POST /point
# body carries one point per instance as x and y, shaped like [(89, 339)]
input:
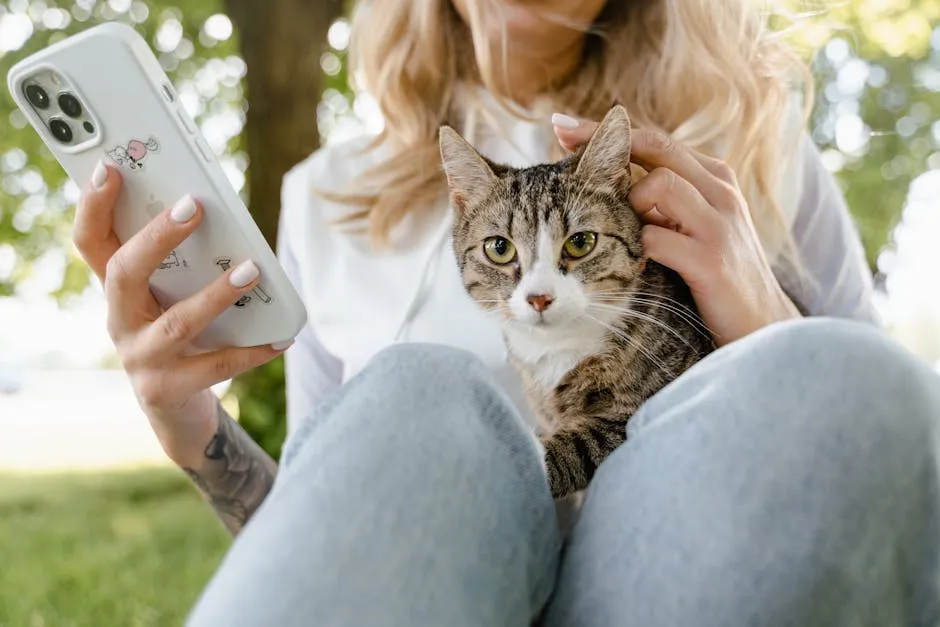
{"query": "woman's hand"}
[(170, 378), (697, 222)]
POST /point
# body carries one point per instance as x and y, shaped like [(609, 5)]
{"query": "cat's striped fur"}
[(616, 328)]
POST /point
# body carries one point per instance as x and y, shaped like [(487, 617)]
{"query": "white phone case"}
[(140, 127)]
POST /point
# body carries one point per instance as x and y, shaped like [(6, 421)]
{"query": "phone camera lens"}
[(61, 131), (70, 105), (37, 96)]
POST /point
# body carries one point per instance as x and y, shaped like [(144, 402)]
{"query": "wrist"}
[(185, 435)]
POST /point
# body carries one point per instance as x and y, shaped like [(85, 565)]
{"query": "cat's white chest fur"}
[(550, 353)]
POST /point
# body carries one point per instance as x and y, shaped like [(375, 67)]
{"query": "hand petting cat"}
[(697, 222)]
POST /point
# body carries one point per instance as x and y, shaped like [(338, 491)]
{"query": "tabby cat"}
[(593, 326)]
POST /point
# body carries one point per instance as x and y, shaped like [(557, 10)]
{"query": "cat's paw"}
[(550, 470)]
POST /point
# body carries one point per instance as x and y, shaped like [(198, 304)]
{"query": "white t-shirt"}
[(360, 301)]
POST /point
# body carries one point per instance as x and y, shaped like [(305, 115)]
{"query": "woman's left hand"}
[(697, 222)]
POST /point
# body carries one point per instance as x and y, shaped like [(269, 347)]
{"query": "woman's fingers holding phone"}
[(92, 231), (203, 371), (126, 277), (168, 374), (167, 389), (178, 325), (134, 263), (170, 381)]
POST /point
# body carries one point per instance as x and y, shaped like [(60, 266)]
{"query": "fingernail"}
[(100, 176), (243, 274), (279, 346), (183, 210), (564, 121)]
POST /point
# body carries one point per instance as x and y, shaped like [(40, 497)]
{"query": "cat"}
[(593, 326)]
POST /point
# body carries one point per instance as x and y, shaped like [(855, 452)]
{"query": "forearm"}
[(233, 472)]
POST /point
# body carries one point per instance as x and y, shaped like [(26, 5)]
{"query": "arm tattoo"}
[(236, 475)]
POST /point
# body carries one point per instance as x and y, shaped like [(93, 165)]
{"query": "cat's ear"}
[(469, 175), (605, 161)]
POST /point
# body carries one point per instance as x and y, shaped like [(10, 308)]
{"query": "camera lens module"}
[(70, 105), (37, 96), (61, 130)]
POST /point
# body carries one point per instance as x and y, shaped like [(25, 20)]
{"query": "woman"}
[(790, 478)]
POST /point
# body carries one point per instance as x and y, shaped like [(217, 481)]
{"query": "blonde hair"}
[(709, 73)]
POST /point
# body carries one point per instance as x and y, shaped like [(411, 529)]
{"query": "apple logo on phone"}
[(173, 261), (154, 207)]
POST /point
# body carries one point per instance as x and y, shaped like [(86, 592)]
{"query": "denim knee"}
[(416, 365), (416, 386), (862, 359), (822, 375), (822, 332)]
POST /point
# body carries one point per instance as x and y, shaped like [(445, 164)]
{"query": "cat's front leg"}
[(590, 414), (573, 453)]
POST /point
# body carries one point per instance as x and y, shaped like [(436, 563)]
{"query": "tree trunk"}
[(281, 42)]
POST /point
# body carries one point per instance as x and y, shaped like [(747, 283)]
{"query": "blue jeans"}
[(790, 478)]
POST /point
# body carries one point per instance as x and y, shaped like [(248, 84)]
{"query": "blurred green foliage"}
[(261, 405), (878, 103)]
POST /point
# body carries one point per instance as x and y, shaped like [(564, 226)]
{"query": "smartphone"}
[(102, 94)]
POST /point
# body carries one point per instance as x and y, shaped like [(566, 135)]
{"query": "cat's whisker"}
[(501, 311), (630, 313), (626, 338), (637, 295), (685, 313), (636, 292), (689, 317), (522, 327), (660, 296), (659, 300), (677, 308), (659, 323)]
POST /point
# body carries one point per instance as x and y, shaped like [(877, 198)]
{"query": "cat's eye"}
[(580, 244), (499, 250)]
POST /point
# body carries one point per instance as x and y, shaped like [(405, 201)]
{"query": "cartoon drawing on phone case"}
[(174, 261), (134, 153), (225, 263)]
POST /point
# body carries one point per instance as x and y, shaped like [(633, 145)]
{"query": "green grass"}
[(127, 548)]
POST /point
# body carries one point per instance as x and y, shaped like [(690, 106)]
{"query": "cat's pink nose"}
[(540, 302)]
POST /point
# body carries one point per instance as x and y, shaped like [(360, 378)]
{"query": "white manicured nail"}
[(279, 346), (183, 210), (564, 121), (243, 274), (100, 176)]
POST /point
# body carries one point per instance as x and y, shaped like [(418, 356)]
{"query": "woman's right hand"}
[(170, 377)]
